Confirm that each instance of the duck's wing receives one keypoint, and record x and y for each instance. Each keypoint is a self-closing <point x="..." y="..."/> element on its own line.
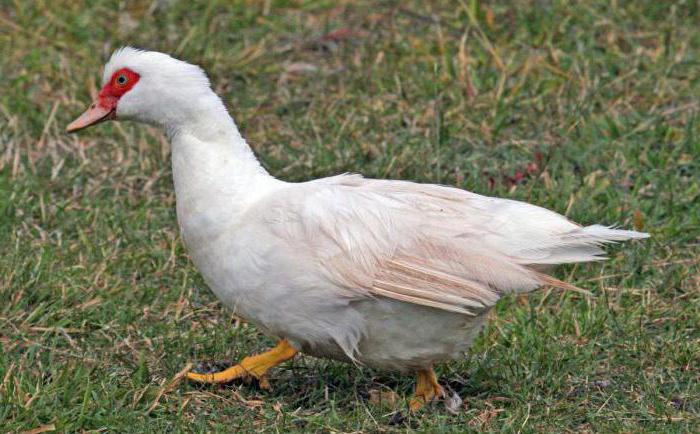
<point x="426" y="244"/>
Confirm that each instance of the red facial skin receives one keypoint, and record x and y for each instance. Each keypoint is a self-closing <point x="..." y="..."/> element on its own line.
<point x="105" y="106"/>
<point x="121" y="82"/>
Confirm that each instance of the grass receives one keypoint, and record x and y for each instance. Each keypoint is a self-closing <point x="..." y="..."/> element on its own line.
<point x="587" y="108"/>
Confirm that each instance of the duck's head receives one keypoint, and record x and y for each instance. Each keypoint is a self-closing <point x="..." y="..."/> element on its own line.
<point x="146" y="86"/>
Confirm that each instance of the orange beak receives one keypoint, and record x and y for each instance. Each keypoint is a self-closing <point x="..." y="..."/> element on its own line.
<point x="95" y="114"/>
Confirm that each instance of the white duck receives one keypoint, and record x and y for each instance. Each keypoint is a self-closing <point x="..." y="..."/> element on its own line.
<point x="389" y="274"/>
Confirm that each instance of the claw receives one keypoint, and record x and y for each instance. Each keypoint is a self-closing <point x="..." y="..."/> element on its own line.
<point x="427" y="389"/>
<point x="252" y="366"/>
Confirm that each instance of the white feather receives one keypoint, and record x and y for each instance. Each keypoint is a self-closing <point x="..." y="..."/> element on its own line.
<point x="393" y="274"/>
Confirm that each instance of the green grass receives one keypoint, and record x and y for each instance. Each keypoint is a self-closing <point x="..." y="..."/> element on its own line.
<point x="588" y="108"/>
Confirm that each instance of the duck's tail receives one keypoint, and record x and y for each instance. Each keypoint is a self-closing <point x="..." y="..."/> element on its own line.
<point x="582" y="244"/>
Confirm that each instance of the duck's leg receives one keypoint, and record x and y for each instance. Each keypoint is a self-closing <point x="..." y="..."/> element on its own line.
<point x="254" y="366"/>
<point x="427" y="389"/>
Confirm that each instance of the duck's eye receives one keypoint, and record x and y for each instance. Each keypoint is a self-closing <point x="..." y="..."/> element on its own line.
<point x="121" y="80"/>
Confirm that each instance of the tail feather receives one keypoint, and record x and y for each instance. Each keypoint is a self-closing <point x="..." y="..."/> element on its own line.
<point x="582" y="244"/>
<point x="600" y="234"/>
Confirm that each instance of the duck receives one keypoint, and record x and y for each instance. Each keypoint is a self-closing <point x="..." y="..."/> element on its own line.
<point x="389" y="274"/>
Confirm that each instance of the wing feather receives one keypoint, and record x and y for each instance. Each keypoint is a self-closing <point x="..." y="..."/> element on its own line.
<point x="429" y="245"/>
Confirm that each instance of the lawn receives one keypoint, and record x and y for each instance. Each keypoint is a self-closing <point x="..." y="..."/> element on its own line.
<point x="589" y="108"/>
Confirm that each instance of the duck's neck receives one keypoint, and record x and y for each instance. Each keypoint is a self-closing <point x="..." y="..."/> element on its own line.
<point x="216" y="174"/>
